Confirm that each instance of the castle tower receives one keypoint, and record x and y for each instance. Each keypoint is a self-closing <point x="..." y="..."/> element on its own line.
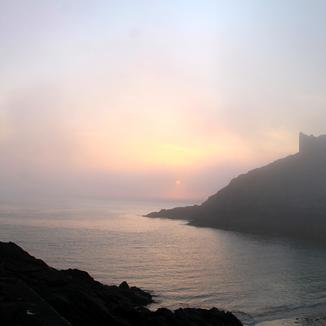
<point x="311" y="144"/>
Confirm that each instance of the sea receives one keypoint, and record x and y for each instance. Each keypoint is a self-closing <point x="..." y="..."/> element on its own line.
<point x="264" y="280"/>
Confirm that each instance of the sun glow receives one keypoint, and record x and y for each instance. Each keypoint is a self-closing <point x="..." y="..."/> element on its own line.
<point x="144" y="155"/>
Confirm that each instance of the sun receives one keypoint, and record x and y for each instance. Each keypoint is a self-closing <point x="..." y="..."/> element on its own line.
<point x="178" y="182"/>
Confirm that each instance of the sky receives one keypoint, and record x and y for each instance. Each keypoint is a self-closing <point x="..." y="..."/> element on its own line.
<point x="154" y="99"/>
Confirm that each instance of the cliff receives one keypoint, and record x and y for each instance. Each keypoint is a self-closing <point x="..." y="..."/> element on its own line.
<point x="35" y="294"/>
<point x="285" y="197"/>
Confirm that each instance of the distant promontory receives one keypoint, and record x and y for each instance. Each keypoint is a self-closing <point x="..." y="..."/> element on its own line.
<point x="286" y="197"/>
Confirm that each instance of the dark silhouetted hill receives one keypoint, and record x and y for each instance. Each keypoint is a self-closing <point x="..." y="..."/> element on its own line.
<point x="285" y="197"/>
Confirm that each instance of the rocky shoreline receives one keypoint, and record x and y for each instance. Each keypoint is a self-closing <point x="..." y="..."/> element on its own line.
<point x="33" y="293"/>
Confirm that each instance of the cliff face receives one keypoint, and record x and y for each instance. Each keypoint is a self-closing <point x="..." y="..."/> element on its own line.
<point x="285" y="197"/>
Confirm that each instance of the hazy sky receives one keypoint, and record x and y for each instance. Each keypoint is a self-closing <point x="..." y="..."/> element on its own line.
<point x="154" y="98"/>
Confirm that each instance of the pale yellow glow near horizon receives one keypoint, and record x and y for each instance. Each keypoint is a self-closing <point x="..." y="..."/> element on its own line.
<point x="123" y="98"/>
<point x="159" y="129"/>
<point x="139" y="154"/>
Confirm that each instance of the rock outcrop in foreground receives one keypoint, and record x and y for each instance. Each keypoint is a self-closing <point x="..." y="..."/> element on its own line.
<point x="35" y="294"/>
<point x="287" y="197"/>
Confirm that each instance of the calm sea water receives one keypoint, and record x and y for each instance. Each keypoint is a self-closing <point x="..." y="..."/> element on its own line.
<point x="261" y="278"/>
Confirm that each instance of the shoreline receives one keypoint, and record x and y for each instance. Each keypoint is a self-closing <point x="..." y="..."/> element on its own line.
<point x="298" y="321"/>
<point x="303" y="316"/>
<point x="34" y="293"/>
<point x="29" y="273"/>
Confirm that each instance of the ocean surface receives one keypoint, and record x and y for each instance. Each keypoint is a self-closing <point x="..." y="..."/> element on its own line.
<point x="260" y="278"/>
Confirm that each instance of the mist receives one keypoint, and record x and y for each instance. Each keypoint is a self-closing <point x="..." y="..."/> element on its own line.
<point x="164" y="100"/>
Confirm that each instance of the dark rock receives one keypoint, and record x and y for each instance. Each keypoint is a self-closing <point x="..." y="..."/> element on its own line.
<point x="124" y="285"/>
<point x="32" y="293"/>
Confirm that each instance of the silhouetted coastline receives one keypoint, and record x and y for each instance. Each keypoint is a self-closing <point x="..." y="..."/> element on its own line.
<point x="33" y="293"/>
<point x="286" y="197"/>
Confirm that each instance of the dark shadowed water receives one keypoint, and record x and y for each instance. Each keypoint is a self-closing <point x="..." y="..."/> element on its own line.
<point x="266" y="278"/>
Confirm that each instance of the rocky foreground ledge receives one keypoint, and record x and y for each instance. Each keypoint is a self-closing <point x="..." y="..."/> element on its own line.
<point x="35" y="294"/>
